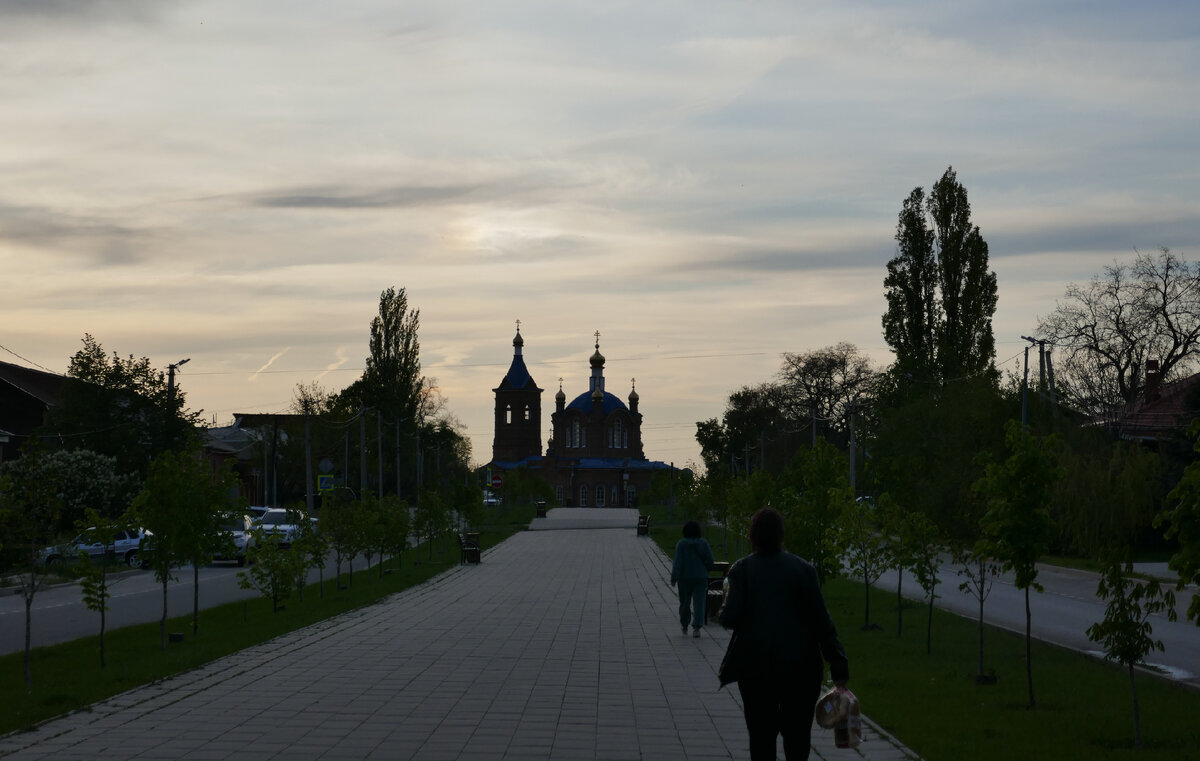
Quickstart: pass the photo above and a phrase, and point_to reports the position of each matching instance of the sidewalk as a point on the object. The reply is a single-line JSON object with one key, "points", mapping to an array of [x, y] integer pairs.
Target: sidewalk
{"points": [[562, 644]]}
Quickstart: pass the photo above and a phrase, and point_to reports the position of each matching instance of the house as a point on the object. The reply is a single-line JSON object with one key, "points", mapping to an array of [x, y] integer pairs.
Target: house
{"points": [[26, 395]]}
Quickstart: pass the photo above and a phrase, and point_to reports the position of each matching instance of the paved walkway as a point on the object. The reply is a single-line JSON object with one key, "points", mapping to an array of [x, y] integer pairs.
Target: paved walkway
{"points": [[562, 644]]}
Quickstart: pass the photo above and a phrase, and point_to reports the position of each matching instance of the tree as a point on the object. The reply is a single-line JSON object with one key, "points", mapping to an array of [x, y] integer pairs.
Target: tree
{"points": [[828, 383], [980, 571], [923, 544], [122, 407], [392, 381], [1126, 633], [31, 512], [868, 553], [940, 294], [816, 491], [1182, 521], [94, 583], [272, 568], [1017, 526], [1112, 327], [182, 506]]}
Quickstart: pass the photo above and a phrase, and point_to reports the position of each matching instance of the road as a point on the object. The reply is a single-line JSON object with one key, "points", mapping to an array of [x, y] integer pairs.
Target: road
{"points": [[59, 614], [1062, 614]]}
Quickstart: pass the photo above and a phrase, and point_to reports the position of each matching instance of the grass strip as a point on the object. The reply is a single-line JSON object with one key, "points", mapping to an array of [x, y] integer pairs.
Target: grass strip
{"points": [[932, 703], [68, 676]]}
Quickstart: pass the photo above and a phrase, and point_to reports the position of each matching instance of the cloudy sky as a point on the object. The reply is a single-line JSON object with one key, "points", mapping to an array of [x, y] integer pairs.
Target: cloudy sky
{"points": [[708, 184]]}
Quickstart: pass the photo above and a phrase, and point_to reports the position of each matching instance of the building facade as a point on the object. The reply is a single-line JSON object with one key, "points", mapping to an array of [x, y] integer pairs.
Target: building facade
{"points": [[594, 457]]}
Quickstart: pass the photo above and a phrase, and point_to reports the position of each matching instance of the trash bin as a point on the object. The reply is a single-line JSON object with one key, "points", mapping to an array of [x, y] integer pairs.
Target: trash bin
{"points": [[541, 509]]}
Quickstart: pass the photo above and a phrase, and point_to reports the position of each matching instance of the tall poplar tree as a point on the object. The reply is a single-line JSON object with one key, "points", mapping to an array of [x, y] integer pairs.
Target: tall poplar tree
{"points": [[941, 295]]}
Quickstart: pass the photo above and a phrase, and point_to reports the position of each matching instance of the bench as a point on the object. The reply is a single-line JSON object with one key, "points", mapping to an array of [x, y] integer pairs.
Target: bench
{"points": [[468, 547], [716, 590], [643, 527]]}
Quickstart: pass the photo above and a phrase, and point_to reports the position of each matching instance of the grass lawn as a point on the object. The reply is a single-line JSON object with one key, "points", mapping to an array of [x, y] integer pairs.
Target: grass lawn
{"points": [[933, 705], [68, 676]]}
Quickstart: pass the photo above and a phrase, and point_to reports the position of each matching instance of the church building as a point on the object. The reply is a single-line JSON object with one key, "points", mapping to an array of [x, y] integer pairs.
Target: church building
{"points": [[594, 457]]}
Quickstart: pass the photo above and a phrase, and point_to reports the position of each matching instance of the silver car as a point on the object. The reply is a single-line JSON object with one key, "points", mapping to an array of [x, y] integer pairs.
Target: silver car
{"points": [[124, 547], [238, 530]]}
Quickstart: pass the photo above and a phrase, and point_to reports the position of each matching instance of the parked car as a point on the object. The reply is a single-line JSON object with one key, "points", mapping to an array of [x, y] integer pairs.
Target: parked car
{"points": [[124, 547], [282, 523], [256, 512], [490, 499], [238, 530]]}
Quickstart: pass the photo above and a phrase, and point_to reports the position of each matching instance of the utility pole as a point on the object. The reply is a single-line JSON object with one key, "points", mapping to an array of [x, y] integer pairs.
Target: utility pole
{"points": [[308, 475], [1025, 383], [171, 395]]}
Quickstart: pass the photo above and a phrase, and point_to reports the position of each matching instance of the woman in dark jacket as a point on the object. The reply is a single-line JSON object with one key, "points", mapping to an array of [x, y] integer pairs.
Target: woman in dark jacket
{"points": [[776, 607]]}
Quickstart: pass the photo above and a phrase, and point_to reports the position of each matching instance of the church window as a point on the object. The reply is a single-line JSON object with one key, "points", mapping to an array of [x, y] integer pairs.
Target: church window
{"points": [[527, 413], [574, 441], [508, 414], [583, 490], [558, 494], [617, 435], [599, 496], [614, 497]]}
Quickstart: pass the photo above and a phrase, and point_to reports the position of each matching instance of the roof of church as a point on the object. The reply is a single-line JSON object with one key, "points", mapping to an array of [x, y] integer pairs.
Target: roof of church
{"points": [[518, 375], [586, 463], [583, 403]]}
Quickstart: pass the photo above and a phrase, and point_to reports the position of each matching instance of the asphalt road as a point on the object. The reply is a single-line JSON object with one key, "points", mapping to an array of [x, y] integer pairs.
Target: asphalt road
{"points": [[1062, 613], [59, 614]]}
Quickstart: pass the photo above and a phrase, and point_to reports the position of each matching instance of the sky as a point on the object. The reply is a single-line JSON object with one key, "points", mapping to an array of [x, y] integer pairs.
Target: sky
{"points": [[709, 184]]}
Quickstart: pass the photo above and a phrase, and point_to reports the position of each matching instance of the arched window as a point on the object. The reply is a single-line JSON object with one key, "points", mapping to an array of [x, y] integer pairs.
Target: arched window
{"points": [[575, 440], [583, 490], [508, 414], [599, 496], [558, 494], [618, 435], [527, 413]]}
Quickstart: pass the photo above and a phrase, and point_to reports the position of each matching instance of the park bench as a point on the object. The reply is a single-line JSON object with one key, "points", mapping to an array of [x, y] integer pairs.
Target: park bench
{"points": [[716, 590], [468, 547], [643, 527]]}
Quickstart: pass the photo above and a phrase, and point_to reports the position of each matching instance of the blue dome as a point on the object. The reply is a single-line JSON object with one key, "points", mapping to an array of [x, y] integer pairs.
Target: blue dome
{"points": [[583, 403]]}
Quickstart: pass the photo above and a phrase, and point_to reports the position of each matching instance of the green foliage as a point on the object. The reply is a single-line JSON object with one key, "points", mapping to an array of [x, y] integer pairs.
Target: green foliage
{"points": [[1108, 495], [813, 494], [1017, 527], [93, 583], [119, 407], [1182, 522], [925, 453], [941, 295], [1126, 633], [183, 506], [272, 568], [868, 553]]}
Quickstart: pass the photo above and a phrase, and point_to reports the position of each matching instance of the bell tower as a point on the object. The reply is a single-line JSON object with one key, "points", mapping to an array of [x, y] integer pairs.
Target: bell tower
{"points": [[518, 411]]}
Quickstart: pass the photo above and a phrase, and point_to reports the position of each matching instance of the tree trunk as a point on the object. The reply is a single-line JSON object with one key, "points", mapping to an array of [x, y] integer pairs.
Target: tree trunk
{"points": [[899, 602], [980, 672], [195, 598], [162, 622], [1029, 647], [28, 636], [929, 624], [867, 589], [1137, 721]]}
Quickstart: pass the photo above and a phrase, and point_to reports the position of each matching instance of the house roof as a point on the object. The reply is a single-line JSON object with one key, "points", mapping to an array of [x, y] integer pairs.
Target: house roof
{"points": [[1164, 414], [38, 384]]}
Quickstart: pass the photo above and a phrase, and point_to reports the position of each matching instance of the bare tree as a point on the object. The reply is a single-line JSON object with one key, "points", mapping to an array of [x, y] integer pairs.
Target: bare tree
{"points": [[1111, 327]]}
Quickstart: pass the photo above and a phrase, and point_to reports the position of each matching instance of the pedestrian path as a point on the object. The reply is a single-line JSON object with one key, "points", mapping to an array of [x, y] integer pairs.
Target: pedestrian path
{"points": [[563, 644]]}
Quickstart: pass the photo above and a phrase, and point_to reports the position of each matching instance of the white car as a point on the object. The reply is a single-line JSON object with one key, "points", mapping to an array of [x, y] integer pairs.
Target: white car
{"points": [[124, 547], [239, 531], [282, 523]]}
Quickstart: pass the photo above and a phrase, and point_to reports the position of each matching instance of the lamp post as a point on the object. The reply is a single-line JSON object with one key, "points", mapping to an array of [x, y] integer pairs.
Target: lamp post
{"points": [[171, 382]]}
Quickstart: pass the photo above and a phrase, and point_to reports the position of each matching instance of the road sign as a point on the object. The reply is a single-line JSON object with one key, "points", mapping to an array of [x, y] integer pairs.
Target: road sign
{"points": [[497, 481], [325, 482]]}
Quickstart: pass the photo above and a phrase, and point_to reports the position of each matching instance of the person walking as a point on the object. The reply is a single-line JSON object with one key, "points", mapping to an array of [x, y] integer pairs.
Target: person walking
{"points": [[783, 629], [693, 561]]}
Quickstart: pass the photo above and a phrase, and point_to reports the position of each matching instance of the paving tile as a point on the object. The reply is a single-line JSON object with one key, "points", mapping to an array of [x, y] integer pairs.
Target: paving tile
{"points": [[560, 645]]}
